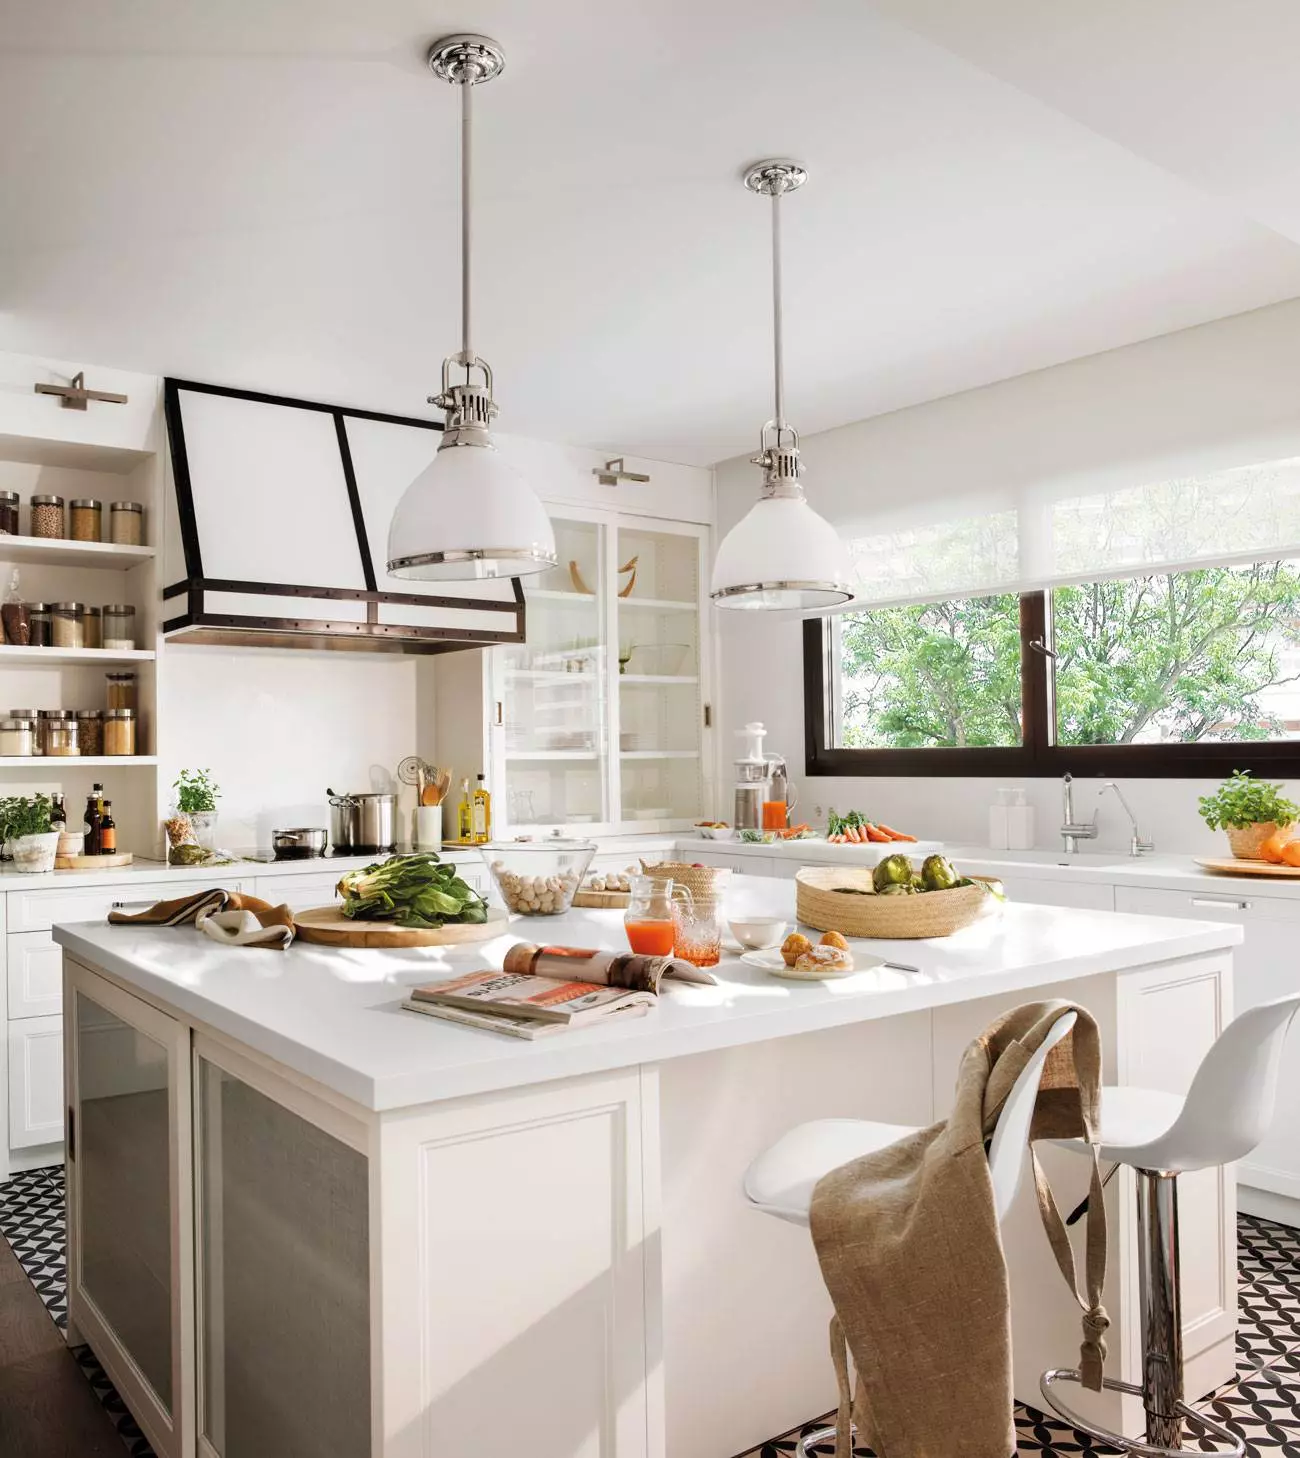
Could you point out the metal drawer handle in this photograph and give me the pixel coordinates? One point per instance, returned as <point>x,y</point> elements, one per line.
<point>1220,901</point>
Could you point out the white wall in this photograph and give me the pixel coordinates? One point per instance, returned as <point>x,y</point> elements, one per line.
<point>1220,395</point>
<point>277,728</point>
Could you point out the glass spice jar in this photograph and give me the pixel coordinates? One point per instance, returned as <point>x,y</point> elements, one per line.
<point>68,625</point>
<point>119,731</point>
<point>48,516</point>
<point>8,513</point>
<point>92,628</point>
<point>90,731</point>
<point>87,520</point>
<point>17,737</point>
<point>119,625</point>
<point>40,624</point>
<point>120,691</point>
<point>58,733</point>
<point>17,620</point>
<point>126,523</point>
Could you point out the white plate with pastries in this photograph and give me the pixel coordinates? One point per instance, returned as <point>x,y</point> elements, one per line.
<point>774,963</point>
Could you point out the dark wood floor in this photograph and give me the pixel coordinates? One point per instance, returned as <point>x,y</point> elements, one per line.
<point>47,1409</point>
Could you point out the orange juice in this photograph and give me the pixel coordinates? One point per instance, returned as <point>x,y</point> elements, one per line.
<point>775,814</point>
<point>650,938</point>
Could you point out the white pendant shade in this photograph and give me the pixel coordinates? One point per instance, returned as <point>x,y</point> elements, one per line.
<point>469,514</point>
<point>781,554</point>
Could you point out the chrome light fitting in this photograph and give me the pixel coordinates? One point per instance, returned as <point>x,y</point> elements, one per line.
<point>781,555</point>
<point>469,513</point>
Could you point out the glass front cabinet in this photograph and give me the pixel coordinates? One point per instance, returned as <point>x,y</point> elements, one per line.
<point>600,720</point>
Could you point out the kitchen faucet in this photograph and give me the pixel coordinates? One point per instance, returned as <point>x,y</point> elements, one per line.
<point>1072,833</point>
<point>1137,846</point>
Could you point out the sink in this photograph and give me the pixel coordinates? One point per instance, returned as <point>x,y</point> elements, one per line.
<point>1084,860</point>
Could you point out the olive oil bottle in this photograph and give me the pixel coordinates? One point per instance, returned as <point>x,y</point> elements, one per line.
<point>465,815</point>
<point>481,814</point>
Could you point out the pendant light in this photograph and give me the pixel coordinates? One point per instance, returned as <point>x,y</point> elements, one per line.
<point>469,513</point>
<point>782,555</point>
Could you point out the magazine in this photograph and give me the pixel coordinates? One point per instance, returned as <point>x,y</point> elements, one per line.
<point>552,988</point>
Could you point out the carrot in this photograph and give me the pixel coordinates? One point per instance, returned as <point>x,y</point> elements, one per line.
<point>894,834</point>
<point>855,835</point>
<point>836,839</point>
<point>877,835</point>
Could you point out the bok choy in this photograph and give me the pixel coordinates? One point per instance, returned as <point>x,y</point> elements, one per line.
<point>416,890</point>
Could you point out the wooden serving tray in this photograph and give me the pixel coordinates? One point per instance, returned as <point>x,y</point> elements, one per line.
<point>1243,867</point>
<point>92,863</point>
<point>327,926</point>
<point>611,900</point>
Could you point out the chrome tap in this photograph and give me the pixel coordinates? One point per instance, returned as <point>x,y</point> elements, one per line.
<point>1072,833</point>
<point>1137,846</point>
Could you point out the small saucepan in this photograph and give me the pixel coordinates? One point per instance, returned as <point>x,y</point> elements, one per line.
<point>300,844</point>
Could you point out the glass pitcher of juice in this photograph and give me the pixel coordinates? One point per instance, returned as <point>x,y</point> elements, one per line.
<point>697,924</point>
<point>648,919</point>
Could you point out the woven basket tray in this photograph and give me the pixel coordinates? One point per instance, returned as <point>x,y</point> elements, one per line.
<point>698,880</point>
<point>610,900</point>
<point>933,914</point>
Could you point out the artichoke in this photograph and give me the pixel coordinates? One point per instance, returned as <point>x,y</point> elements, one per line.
<point>895,870</point>
<point>937,874</point>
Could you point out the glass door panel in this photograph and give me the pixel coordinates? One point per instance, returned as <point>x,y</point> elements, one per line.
<point>660,714</point>
<point>554,695</point>
<point>284,1279</point>
<point>124,1190</point>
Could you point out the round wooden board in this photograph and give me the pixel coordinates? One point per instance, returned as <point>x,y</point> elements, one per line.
<point>1243,867</point>
<point>327,926</point>
<point>610,900</point>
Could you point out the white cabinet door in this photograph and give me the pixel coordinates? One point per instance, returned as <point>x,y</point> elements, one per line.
<point>1265,966</point>
<point>35,1082</point>
<point>1040,891</point>
<point>35,974</point>
<point>297,892</point>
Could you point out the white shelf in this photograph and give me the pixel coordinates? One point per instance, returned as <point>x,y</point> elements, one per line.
<point>659,604</point>
<point>548,675</point>
<point>652,678</point>
<point>59,552</point>
<point>35,657</point>
<point>659,754</point>
<point>544,594</point>
<point>548,754</point>
<point>48,763</point>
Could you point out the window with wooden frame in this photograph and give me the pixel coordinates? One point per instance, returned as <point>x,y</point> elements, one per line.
<point>1178,673</point>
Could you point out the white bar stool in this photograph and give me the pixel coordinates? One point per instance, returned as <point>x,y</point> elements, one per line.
<point>1224,1115</point>
<point>780,1181</point>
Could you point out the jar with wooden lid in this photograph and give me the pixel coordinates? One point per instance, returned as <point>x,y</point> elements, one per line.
<point>40,629</point>
<point>90,731</point>
<point>126,523</point>
<point>92,628</point>
<point>8,513</point>
<point>17,737</point>
<point>48,517</point>
<point>119,731</point>
<point>120,691</point>
<point>87,520</point>
<point>58,733</point>
<point>68,624</point>
<point>119,625</point>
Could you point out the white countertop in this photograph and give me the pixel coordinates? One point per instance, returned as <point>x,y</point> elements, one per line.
<point>141,871</point>
<point>335,1016</point>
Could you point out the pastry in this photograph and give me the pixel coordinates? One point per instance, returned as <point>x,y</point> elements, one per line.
<point>835,939</point>
<point>824,959</point>
<point>794,946</point>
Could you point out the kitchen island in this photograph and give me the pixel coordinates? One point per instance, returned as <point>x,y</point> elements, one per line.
<point>303,1220</point>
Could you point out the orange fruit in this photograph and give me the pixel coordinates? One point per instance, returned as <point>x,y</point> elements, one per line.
<point>1291,853</point>
<point>1274,846</point>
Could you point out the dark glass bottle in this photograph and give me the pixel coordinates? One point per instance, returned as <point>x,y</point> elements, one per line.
<point>94,819</point>
<point>107,831</point>
<point>58,813</point>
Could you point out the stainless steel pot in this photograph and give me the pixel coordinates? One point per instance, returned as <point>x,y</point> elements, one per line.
<point>362,824</point>
<point>299,844</point>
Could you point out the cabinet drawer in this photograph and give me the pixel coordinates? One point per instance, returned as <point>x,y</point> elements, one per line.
<point>35,1082</point>
<point>1239,903</point>
<point>297,892</point>
<point>35,975</point>
<point>40,910</point>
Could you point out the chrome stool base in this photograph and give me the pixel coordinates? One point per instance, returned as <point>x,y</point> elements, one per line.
<point>803,1448</point>
<point>1235,1449</point>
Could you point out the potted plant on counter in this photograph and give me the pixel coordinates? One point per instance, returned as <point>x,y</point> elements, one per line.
<point>196,798</point>
<point>1251,811</point>
<point>28,837</point>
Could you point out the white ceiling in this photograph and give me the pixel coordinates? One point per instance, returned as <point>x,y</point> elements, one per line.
<point>263,192</point>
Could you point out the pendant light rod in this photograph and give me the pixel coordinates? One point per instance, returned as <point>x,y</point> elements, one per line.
<point>466,215</point>
<point>778,334</point>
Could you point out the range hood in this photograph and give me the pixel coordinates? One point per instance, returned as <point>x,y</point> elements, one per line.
<point>277,524</point>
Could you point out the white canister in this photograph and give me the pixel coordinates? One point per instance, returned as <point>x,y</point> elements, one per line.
<point>1020,822</point>
<point>999,822</point>
<point>427,833</point>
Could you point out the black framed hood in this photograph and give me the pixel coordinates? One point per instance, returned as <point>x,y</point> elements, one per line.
<point>277,523</point>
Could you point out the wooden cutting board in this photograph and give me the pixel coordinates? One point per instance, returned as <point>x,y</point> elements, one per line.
<point>1238,867</point>
<point>92,863</point>
<point>610,900</point>
<point>327,926</point>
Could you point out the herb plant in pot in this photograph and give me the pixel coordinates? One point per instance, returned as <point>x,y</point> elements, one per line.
<point>1251,811</point>
<point>196,798</point>
<point>28,837</point>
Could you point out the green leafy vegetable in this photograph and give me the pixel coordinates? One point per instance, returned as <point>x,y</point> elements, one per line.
<point>1240,801</point>
<point>416,891</point>
<point>196,791</point>
<point>20,816</point>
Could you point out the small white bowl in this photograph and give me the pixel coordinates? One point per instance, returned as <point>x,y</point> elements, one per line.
<point>716,832</point>
<point>758,933</point>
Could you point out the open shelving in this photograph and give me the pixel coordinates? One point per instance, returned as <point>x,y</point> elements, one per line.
<point>35,657</point>
<point>48,763</point>
<point>59,552</point>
